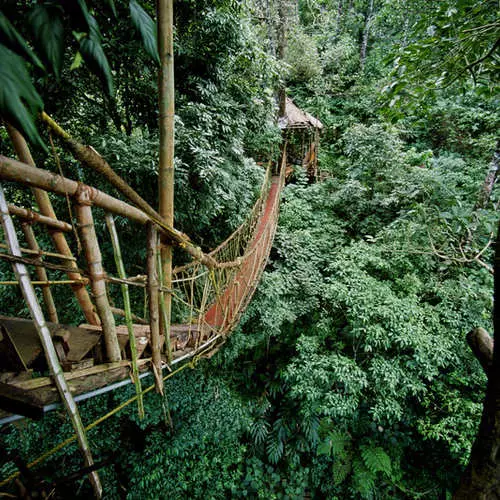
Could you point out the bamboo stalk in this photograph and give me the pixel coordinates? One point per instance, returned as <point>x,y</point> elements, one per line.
<point>120,312</point>
<point>128,312</point>
<point>166,106</point>
<point>46,209</point>
<point>39,252</point>
<point>96,272</point>
<point>48,346</point>
<point>153,293</point>
<point>165,312</point>
<point>48,283</point>
<point>32,216</point>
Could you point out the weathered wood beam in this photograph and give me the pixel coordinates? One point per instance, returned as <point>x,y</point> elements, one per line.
<point>20,402</point>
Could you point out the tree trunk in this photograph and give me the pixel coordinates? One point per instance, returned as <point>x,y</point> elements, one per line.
<point>481,478</point>
<point>282,42</point>
<point>366,34</point>
<point>489,181</point>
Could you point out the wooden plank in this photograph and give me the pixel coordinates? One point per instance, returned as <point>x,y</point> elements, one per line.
<point>19,401</point>
<point>25,337</point>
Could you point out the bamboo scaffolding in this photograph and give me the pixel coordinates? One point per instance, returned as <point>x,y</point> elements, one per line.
<point>128,312</point>
<point>46,209</point>
<point>89,157</point>
<point>153,293</point>
<point>34,217</point>
<point>96,273</point>
<point>48,346</point>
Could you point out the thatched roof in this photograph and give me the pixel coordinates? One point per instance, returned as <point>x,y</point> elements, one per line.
<point>297,118</point>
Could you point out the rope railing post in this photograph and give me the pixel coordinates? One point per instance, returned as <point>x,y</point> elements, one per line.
<point>93,256</point>
<point>46,209</point>
<point>46,341</point>
<point>110,222</point>
<point>41,273</point>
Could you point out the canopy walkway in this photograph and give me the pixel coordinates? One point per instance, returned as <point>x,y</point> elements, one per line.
<point>209,294</point>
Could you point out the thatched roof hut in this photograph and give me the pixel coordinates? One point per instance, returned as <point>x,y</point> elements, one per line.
<point>296,118</point>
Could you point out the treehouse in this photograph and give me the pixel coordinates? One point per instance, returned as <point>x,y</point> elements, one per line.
<point>302,131</point>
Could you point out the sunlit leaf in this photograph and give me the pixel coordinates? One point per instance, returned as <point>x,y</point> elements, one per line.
<point>94,57</point>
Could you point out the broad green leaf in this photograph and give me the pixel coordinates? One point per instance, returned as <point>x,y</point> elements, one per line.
<point>376,460</point>
<point>95,58</point>
<point>19,101</point>
<point>11,39</point>
<point>146,27</point>
<point>77,61</point>
<point>47,25</point>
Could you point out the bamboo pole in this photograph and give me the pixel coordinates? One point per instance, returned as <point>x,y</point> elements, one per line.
<point>41,273</point>
<point>167,136</point>
<point>31,216</point>
<point>48,346</point>
<point>39,252</point>
<point>154,315</point>
<point>15,171</point>
<point>165,312</point>
<point>128,311</point>
<point>47,282</point>
<point>46,209</point>
<point>96,272</point>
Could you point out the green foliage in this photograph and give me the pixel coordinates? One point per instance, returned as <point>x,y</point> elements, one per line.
<point>47,25</point>
<point>19,101</point>
<point>146,27</point>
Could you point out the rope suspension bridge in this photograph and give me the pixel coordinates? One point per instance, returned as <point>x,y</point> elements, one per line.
<point>209,294</point>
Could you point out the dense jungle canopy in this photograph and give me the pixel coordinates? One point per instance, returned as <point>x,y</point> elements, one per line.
<point>349,375</point>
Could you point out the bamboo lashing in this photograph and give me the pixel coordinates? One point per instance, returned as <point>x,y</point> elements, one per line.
<point>47,344</point>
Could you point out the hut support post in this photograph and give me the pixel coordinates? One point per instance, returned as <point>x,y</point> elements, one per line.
<point>41,273</point>
<point>110,222</point>
<point>154,313</point>
<point>167,137</point>
<point>60,243</point>
<point>46,340</point>
<point>96,272</point>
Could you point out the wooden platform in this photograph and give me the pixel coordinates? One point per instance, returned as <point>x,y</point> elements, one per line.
<point>80,352</point>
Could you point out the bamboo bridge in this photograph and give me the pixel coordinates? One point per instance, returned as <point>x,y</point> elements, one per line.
<point>113,346</point>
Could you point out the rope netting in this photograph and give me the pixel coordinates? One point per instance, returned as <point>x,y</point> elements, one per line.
<point>212,300</point>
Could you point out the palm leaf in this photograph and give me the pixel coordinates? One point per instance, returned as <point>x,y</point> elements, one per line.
<point>47,25</point>
<point>146,27</point>
<point>19,101</point>
<point>11,39</point>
